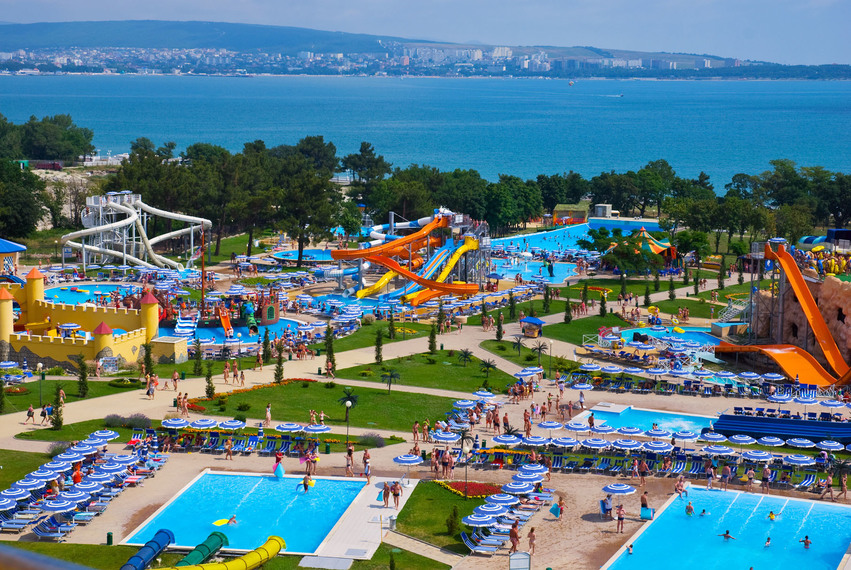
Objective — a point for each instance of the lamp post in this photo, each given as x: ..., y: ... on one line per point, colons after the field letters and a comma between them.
x: 550, y: 374
x: 465, y: 449
x: 39, y: 367
x: 348, y: 407
x: 56, y: 248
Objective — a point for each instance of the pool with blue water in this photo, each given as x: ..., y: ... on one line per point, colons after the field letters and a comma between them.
x: 675, y: 540
x: 85, y: 293
x: 217, y: 334
x: 697, y: 334
x: 644, y: 419
x: 263, y: 505
x: 307, y: 255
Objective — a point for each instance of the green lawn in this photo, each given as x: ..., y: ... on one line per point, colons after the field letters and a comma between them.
x: 18, y: 403
x: 574, y: 331
x: 425, y: 513
x: 76, y: 431
x: 365, y: 336
x: 16, y: 464
x: 527, y: 307
x: 165, y: 370
x: 732, y: 288
x: 441, y: 370
x: 376, y: 408
x: 696, y: 308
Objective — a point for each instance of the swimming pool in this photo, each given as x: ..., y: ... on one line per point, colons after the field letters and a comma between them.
x: 85, y: 293
x: 644, y: 419
x: 218, y: 333
x: 263, y: 505
x: 697, y: 334
x: 675, y: 540
x: 533, y: 270
x: 307, y: 255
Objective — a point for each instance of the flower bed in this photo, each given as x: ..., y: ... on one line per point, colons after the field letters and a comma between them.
x: 475, y: 489
x: 217, y: 395
x: 16, y: 391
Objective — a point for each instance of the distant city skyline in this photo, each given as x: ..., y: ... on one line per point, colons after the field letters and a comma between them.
x: 782, y: 31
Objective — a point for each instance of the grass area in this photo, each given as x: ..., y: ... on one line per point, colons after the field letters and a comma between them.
x: 732, y: 288
x: 75, y: 431
x: 536, y: 305
x: 574, y: 331
x: 165, y: 370
x: 14, y: 465
x: 365, y: 336
x: 18, y: 403
x: 426, y: 511
x: 376, y: 408
x: 443, y: 370
x: 696, y: 308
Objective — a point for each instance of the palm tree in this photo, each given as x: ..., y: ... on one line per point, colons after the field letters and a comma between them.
x: 486, y: 366
x: 465, y: 355
x: 389, y: 378
x: 518, y: 344
x: 349, y: 400
x: 466, y: 441
x: 540, y: 348
x: 511, y: 430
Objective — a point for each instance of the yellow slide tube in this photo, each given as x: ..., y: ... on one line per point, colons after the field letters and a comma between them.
x: 469, y: 244
x: 248, y: 561
x: 377, y: 286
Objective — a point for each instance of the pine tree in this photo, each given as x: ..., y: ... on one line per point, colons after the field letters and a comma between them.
x: 585, y: 292
x: 441, y: 317
x: 149, y: 358
x: 647, y: 295
x: 547, y: 297
x: 2, y: 395
x: 623, y: 286
x: 656, y: 284
x: 267, y: 346
x: 603, y: 310
x: 279, y: 365
x: 484, y: 311
x: 696, y: 286
x: 82, y: 376
x: 379, y: 343
x: 197, y: 369
x: 568, y: 312
x: 722, y: 272
x: 499, y: 331
x: 672, y: 289
x: 56, y: 418
x: 685, y: 275
x: 512, y: 306
x: 391, y: 326
x: 329, y: 346
x: 209, y: 388
x: 741, y: 277
x: 432, y: 339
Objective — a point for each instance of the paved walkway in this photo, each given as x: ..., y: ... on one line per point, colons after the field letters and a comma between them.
x: 405, y: 542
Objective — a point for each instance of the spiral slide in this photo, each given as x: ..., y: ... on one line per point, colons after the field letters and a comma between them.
x: 150, y: 550
x: 423, y: 296
x: 457, y: 288
x: 248, y: 561
x: 388, y: 247
x: 428, y: 272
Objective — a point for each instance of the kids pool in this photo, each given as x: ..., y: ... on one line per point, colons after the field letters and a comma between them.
x: 697, y: 334
x: 85, y: 293
x: 644, y: 419
x: 263, y: 506
x: 675, y: 540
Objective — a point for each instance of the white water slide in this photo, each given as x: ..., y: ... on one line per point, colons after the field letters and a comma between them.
x: 132, y: 219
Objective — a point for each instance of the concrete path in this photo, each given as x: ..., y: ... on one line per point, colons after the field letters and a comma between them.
x: 411, y: 544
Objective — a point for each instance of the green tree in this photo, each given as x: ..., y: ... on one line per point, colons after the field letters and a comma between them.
x: 148, y: 358
x: 82, y: 376
x: 57, y: 417
x: 279, y: 364
x: 441, y: 317
x: 499, y: 330
x: 539, y: 348
x: 349, y: 400
x: 793, y: 221
x: 585, y: 292
x: 2, y: 396
x: 624, y: 290
x: 568, y: 311
x: 329, y: 347
x: 672, y: 290
x: 267, y: 346
x: 453, y: 522
x: 209, y: 387
x: 390, y: 377
x: 465, y: 355
x: 603, y: 309
x: 518, y: 344
x: 379, y: 343
x: 722, y: 272
x: 647, y: 296
x: 432, y: 339
x: 391, y: 326
x: 55, y: 138
x: 486, y: 366
x: 656, y: 283
x: 20, y: 204
x: 197, y: 356
x: 512, y: 306
x: 546, y: 303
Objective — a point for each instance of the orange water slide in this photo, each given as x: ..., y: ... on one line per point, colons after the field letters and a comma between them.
x: 794, y: 361
x: 392, y: 246
x: 811, y: 311
x: 457, y: 288
x: 225, y: 319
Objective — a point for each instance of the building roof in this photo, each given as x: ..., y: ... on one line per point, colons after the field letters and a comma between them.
x: 35, y: 274
x: 149, y: 299
x: 7, y: 246
x: 5, y: 295
x: 102, y: 328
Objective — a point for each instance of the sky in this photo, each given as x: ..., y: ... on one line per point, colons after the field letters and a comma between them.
x: 783, y: 31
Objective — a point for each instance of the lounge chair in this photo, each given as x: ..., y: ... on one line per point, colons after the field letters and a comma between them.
x: 808, y: 481
x: 476, y: 549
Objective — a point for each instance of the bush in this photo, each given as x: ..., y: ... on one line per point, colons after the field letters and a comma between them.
x: 366, y: 373
x: 431, y: 360
x: 57, y: 448
x: 243, y: 406
x: 239, y: 417
x: 305, y: 384
x: 453, y: 522
x: 529, y: 357
x: 113, y: 421
x: 368, y: 320
x: 330, y: 385
x: 501, y: 347
x: 222, y: 401
x: 450, y: 353
x: 125, y: 383
x: 372, y: 439
x: 55, y: 371
x: 138, y: 421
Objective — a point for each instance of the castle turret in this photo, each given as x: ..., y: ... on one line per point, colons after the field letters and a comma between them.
x: 7, y: 317
x: 103, y: 340
x: 150, y: 313
x: 34, y: 291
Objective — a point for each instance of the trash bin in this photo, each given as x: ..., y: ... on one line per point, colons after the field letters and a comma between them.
x: 423, y: 454
x: 290, y: 356
x: 484, y: 443
x: 109, y: 539
x: 174, y: 402
x: 318, y: 352
x: 319, y: 370
x: 441, y: 346
x: 183, y: 375
x: 391, y: 523
x: 327, y: 448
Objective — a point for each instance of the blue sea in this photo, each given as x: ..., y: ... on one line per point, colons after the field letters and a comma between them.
x: 514, y: 126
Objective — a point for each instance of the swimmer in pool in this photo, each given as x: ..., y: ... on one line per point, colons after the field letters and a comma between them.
x: 703, y: 513
x: 727, y: 535
x: 767, y: 542
x: 807, y: 542
x: 306, y: 483
x: 689, y: 509
x: 232, y: 520
x: 772, y: 516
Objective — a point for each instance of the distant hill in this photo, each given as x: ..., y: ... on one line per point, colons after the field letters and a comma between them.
x: 185, y: 35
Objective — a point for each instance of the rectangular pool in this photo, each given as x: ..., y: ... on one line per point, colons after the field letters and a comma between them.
x: 675, y: 540
x: 263, y: 505
x: 645, y: 418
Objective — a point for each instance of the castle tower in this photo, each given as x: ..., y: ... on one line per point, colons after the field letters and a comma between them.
x: 7, y: 322
x: 150, y: 314
x: 103, y: 340
x: 33, y: 291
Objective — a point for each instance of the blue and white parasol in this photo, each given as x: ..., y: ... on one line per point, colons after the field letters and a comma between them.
x: 658, y: 446
x: 90, y: 487
x: 59, y: 506
x: 718, y: 450
x: 757, y: 455
x: 507, y: 440
x: 626, y: 444
x: 712, y: 437
x: 445, y: 437
x: 595, y: 443
x: 830, y: 445
x: 536, y: 441
x: 685, y: 435
x: 464, y: 404
x: 288, y: 427
x: 43, y: 475
x: 112, y: 468
x: 590, y: 367
x: 502, y: 499
x: 741, y: 439
x: 106, y: 434
x: 800, y: 442
x: 619, y: 489
x: 204, y: 423
x: 125, y: 459
x: 74, y: 496
x: 57, y: 466
x: 527, y: 477
x: 578, y: 427
x: 628, y: 430
x: 479, y: 521
x: 770, y: 441
x: 799, y: 460
x: 491, y: 510
x: 565, y: 442
x: 518, y: 488
x: 582, y: 386
x: 232, y: 425
x: 316, y: 428
x: 658, y: 432
x: 174, y: 423
x: 29, y: 484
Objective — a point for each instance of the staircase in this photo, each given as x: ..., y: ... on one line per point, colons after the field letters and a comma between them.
x: 734, y: 308
x: 185, y: 327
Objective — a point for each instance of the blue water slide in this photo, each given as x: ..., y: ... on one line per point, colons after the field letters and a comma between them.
x: 150, y: 551
x: 439, y: 257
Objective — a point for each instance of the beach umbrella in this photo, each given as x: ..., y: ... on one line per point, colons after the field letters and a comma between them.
x: 43, y: 475
x: 15, y: 494
x: 626, y: 444
x: 602, y: 429
x: 126, y: 459
x: 611, y: 369
x: 484, y: 394
x: 479, y: 521
x: 106, y: 434
x: 656, y: 371
x: 533, y: 370
x: 770, y: 441
x: 491, y: 510
x: 590, y: 367
x: 748, y: 375
x: 445, y: 437
x: 204, y: 423
x: 619, y: 489
x: 550, y: 425
x: 800, y: 442
x: 658, y: 432
x: 59, y: 506
x: 799, y: 460
x: 582, y: 386
x: 632, y: 370
x: 232, y: 425
x: 57, y: 466
x: 578, y: 427
x: 565, y: 442
x: 757, y: 455
x: 74, y: 496
x: 718, y: 450
x: 464, y: 404
x: 712, y: 437
x: 112, y: 468
x: 407, y: 459
x: 518, y: 488
x: 536, y: 441
x: 773, y: 377
x: 99, y: 478
x: 93, y: 442
x: 521, y: 375
x: 30, y: 484
x: 678, y: 373
x: 502, y: 499
x: 779, y: 398
x: 725, y: 375
x: 69, y: 456
x: 595, y: 443
x: 89, y: 487
x: 685, y: 435
x: 6, y: 504
x: 533, y: 468
x: 658, y: 446
x: 628, y: 430
x: 507, y: 440
x: 6, y: 364
x: 316, y: 428
x: 831, y: 404
x: 174, y: 423
x: 830, y: 445
x: 741, y: 439
x: 702, y: 374
x: 288, y: 427
x: 527, y: 477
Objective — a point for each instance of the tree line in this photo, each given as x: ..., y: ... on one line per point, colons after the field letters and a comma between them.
x: 49, y: 138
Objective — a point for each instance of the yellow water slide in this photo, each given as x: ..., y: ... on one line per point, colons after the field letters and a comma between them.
x: 469, y: 244
x: 248, y: 561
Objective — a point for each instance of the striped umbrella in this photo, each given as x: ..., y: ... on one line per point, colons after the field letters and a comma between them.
x: 69, y: 456
x: 800, y: 442
x: 99, y: 478
x: 527, y: 477
x: 578, y: 427
x: 479, y: 521
x: 619, y: 489
x: 749, y: 375
x: 595, y: 443
x: 15, y: 494
x: 507, y: 440
x: 29, y: 484
x: 718, y: 450
x: 830, y: 445
x: 590, y: 367
x: 112, y: 468
x: 233, y: 425
x: 611, y: 369
x: 464, y: 404
x: 741, y: 439
x: 59, y: 506
x: 316, y: 428
x: 174, y: 423
x: 106, y: 434
x: 757, y: 455
x: 6, y: 504
x: 712, y: 437
x: 773, y: 377
x: 93, y: 442
x: 491, y: 510
x: 626, y: 430
x: 533, y: 468
x: 518, y: 488
x: 502, y: 499
x: 770, y: 441
x: 685, y: 435
x: 602, y: 429
x: 779, y: 398
x: 43, y: 475
x: 565, y: 442
x: 83, y: 449
x: 658, y: 432
x: 75, y: 496
x: 445, y: 437
x: 89, y: 487
x: 799, y: 460
x: 582, y: 386
x: 126, y: 459
x: 484, y: 394
x: 288, y: 427
x: 204, y: 423
x: 658, y: 446
x: 57, y: 466
x: 536, y: 441
x: 626, y: 444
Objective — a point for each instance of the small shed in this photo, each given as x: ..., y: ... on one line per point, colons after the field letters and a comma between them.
x: 531, y: 327
x: 9, y: 252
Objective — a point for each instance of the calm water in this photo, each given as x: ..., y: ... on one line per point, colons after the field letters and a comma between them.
x: 514, y: 126
x: 644, y: 419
